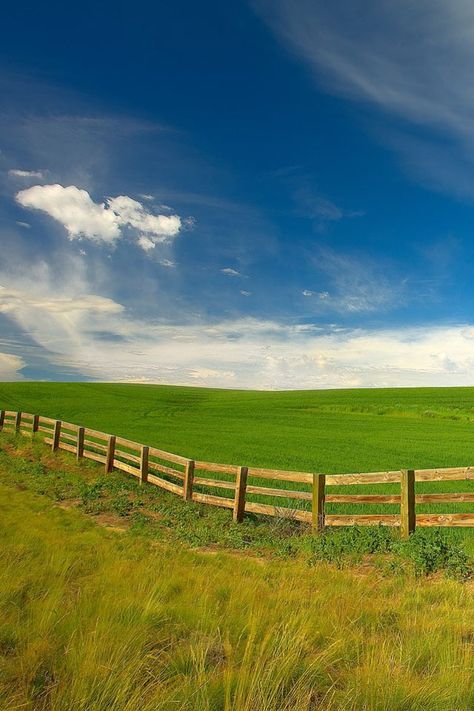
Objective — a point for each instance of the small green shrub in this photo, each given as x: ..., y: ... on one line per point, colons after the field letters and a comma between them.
x: 433, y: 550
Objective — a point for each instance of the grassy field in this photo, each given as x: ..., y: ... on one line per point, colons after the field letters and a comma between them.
x: 330, y: 431
x: 106, y: 617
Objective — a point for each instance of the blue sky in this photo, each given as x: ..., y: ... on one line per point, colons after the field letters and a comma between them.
x: 265, y: 194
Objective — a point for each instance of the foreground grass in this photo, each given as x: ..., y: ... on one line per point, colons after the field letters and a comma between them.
x: 92, y: 619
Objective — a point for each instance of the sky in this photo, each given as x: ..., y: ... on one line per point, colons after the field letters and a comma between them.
x: 269, y: 194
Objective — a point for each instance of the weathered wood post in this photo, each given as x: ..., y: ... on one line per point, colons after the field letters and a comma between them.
x: 80, y: 443
x: 109, y: 458
x: 35, y: 423
x: 56, y: 435
x: 407, y: 503
x: 144, y: 464
x: 319, y: 496
x: 17, y: 421
x: 240, y: 491
x: 188, y: 480
x: 2, y: 418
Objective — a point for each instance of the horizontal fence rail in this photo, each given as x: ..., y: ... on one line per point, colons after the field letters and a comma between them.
x: 250, y: 489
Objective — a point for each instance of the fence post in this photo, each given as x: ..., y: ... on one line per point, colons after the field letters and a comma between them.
x: 407, y: 503
x: 188, y: 480
x: 240, y: 491
x: 2, y: 418
x: 17, y: 421
x: 109, y: 459
x: 35, y: 423
x: 80, y: 443
x: 56, y: 435
x: 144, y: 464
x: 319, y: 495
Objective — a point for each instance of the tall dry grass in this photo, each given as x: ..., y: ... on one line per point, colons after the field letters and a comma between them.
x: 91, y: 619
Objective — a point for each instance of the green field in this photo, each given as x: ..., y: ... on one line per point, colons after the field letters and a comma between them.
x: 329, y: 431
x: 112, y: 617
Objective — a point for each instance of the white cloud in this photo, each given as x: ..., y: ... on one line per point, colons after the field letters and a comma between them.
x: 25, y: 225
x: 167, y: 263
x: 82, y: 330
x: 74, y: 209
x: 145, y: 243
x: 100, y: 222
x: 307, y: 292
x: 131, y: 212
x: 26, y: 173
x: 228, y: 271
x: 10, y: 367
x: 245, y: 293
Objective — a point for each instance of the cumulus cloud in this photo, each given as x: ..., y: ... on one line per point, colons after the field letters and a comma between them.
x: 131, y: 212
x: 74, y: 209
x: 26, y: 173
x: 101, y: 222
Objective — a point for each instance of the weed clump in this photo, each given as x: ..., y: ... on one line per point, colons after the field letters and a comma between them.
x: 426, y: 551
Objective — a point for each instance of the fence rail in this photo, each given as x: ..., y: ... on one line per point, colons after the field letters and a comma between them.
x: 194, y: 480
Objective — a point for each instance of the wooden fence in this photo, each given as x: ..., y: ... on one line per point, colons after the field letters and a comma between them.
x: 191, y: 480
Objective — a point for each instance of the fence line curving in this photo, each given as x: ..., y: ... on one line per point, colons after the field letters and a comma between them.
x: 191, y: 479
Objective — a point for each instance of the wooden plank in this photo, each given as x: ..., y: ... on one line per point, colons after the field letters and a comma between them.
x: 280, y: 512
x: 221, y: 468
x: 363, y: 498
x: 166, y: 470
x: 41, y: 428
x: 18, y: 421
x: 56, y: 435
x: 67, y: 437
x: 452, y: 474
x: 282, y: 493
x: 126, y: 455
x: 97, y: 434
x: 92, y: 455
x: 362, y: 520
x: 217, y: 483
x: 10, y: 413
x: 188, y: 481
x: 67, y: 447
x: 453, y: 520
x: 213, y: 500
x: 144, y: 465
x: 168, y: 485
x: 407, y: 503
x: 161, y: 454
x: 444, y: 498
x: 26, y: 416
x: 363, y: 478
x: 109, y: 457
x: 128, y: 443
x: 279, y: 475
x: 240, y: 492
x: 80, y: 443
x: 96, y: 445
x: 69, y: 426
x: 48, y: 420
x: 319, y: 491
x: 126, y: 467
